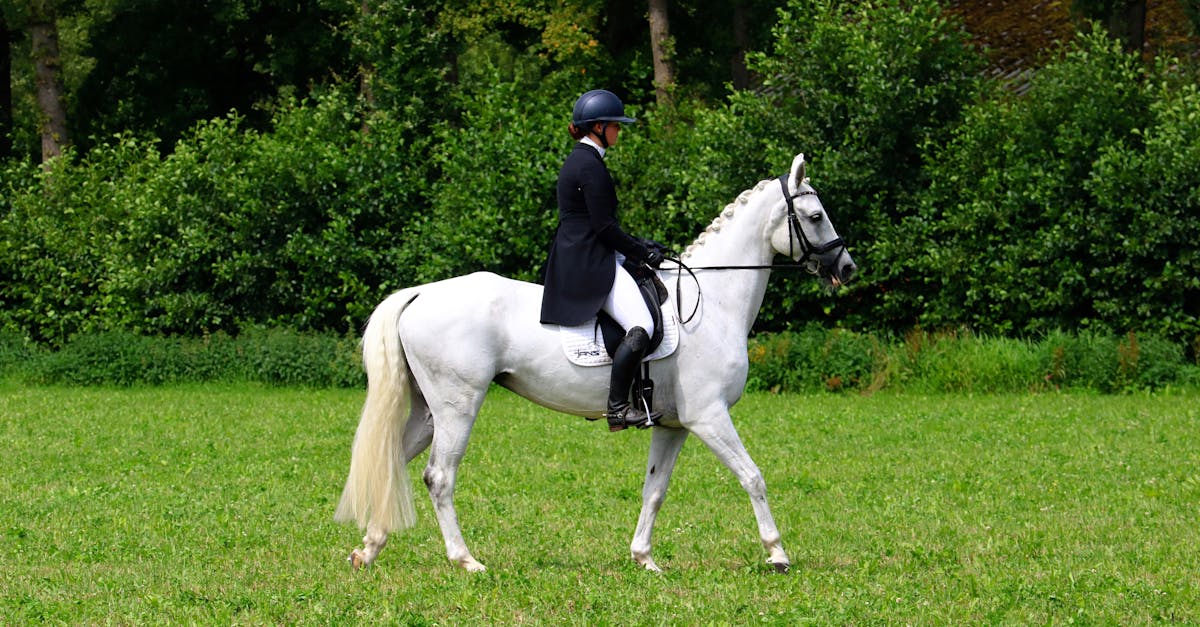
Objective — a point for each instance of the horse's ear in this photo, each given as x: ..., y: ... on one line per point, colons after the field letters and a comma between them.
x: 798, y: 172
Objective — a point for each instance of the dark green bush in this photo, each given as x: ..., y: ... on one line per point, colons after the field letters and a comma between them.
x: 1147, y: 222
x: 1087, y: 360
x: 15, y: 353
x: 1073, y: 206
x: 814, y: 359
x: 817, y: 359
x: 58, y: 231
x: 287, y: 358
x: 109, y: 358
x: 1146, y: 361
x: 864, y: 89
x: 303, y: 227
x: 1112, y: 364
x: 270, y: 356
x: 493, y: 206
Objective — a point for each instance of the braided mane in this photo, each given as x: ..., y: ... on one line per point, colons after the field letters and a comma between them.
x: 723, y: 217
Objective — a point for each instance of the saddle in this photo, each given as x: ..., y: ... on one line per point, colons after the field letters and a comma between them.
x: 594, y: 342
x: 582, y: 344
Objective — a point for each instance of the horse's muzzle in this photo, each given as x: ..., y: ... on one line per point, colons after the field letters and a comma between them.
x: 846, y: 272
x: 843, y: 270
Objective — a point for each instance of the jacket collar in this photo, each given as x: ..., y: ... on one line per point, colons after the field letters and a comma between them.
x: 591, y: 142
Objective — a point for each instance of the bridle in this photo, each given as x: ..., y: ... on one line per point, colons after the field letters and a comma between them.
x: 808, y: 251
x: 795, y: 233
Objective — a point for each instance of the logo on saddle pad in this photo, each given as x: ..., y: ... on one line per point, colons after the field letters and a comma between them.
x: 584, y: 346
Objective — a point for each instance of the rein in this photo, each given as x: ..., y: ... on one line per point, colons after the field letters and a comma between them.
x: 795, y: 233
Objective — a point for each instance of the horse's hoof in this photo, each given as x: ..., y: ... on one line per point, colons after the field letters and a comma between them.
x: 356, y: 560
x: 781, y: 567
x: 643, y: 559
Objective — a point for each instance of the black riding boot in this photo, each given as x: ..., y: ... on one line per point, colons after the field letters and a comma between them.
x: 626, y: 361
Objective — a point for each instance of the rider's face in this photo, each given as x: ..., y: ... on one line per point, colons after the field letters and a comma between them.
x: 609, y: 131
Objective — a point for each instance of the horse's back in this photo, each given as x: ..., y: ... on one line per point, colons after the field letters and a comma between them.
x: 474, y: 318
x: 470, y: 298
x: 465, y: 332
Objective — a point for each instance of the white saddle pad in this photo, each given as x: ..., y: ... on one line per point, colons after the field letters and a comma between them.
x: 584, y: 344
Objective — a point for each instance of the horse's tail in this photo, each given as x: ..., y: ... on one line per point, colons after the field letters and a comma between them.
x: 377, y: 490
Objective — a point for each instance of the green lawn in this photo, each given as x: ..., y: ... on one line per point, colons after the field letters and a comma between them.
x: 214, y: 504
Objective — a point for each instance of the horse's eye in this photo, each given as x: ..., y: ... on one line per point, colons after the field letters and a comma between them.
x: 816, y: 218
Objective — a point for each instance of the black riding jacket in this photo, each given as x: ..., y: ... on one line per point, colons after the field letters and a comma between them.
x: 580, y: 267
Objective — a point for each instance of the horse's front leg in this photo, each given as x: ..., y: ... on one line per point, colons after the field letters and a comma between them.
x: 722, y: 439
x: 665, y: 445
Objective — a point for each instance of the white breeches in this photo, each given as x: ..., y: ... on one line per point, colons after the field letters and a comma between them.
x: 625, y: 303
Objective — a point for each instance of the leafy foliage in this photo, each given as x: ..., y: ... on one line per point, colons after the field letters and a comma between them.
x: 1147, y: 221
x: 493, y: 205
x: 159, y: 66
x: 1070, y: 206
x: 1073, y: 205
x: 812, y: 360
x: 301, y: 226
x: 816, y: 359
x: 862, y: 89
x: 270, y: 356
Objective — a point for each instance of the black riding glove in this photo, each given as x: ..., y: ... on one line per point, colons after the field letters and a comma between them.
x: 653, y: 245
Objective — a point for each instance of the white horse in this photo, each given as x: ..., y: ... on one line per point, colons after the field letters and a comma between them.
x: 431, y: 351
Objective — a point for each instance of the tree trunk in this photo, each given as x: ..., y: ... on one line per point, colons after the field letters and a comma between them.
x: 662, y: 47
x: 1125, y: 20
x: 366, y: 75
x: 1133, y: 26
x: 6, y: 115
x: 43, y: 32
x: 741, y: 44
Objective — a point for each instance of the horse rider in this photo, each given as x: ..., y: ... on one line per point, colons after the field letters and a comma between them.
x: 583, y: 272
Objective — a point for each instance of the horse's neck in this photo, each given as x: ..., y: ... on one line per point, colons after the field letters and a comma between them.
x: 741, y: 239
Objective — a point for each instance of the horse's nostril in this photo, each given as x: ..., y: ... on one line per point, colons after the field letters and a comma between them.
x: 848, y: 271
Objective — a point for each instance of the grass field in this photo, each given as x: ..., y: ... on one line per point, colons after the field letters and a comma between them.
x: 213, y: 505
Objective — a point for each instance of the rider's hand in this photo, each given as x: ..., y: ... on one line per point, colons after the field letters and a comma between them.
x: 654, y: 258
x: 653, y: 245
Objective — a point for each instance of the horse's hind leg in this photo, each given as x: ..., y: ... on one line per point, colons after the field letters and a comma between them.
x: 418, y: 432
x: 453, y: 420
x: 665, y: 445
x: 373, y: 543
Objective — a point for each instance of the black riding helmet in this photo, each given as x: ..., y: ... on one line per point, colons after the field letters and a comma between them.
x: 599, y: 105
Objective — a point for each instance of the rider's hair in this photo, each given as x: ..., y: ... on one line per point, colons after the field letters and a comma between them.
x: 579, y: 132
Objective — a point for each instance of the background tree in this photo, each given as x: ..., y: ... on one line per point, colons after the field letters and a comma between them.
x: 162, y: 66
x: 1124, y: 19
x: 6, y: 101
x: 43, y: 36
x: 1191, y: 8
x: 741, y: 45
x: 662, y: 48
x: 286, y: 212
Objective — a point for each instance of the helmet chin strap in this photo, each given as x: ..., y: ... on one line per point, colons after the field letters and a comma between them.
x: 603, y: 134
